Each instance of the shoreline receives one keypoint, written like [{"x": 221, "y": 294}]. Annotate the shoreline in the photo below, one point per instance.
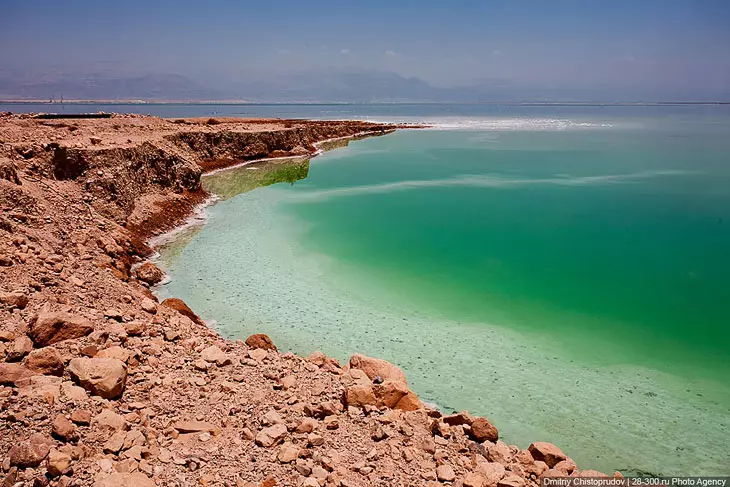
[{"x": 80, "y": 204}]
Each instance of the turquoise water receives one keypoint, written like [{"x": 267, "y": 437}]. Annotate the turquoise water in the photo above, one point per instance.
[{"x": 564, "y": 274}]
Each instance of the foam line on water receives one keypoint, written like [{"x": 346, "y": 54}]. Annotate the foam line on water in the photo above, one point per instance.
[{"x": 476, "y": 181}]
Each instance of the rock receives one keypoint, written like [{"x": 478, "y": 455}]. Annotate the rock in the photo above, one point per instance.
[
  {"x": 103, "y": 377},
  {"x": 360, "y": 395},
  {"x": 15, "y": 299},
  {"x": 117, "y": 352},
  {"x": 30, "y": 453},
  {"x": 445, "y": 473},
  {"x": 19, "y": 348},
  {"x": 511, "y": 481},
  {"x": 546, "y": 452},
  {"x": 115, "y": 442},
  {"x": 45, "y": 361},
  {"x": 310, "y": 482},
  {"x": 483, "y": 430},
  {"x": 196, "y": 427},
  {"x": 150, "y": 273},
  {"x": 149, "y": 306},
  {"x": 81, "y": 416},
  {"x": 261, "y": 341},
  {"x": 182, "y": 308},
  {"x": 457, "y": 419},
  {"x": 12, "y": 373},
  {"x": 134, "y": 328},
  {"x": 491, "y": 471},
  {"x": 315, "y": 440},
  {"x": 307, "y": 425},
  {"x": 474, "y": 480},
  {"x": 135, "y": 479},
  {"x": 73, "y": 393},
  {"x": 377, "y": 368},
  {"x": 287, "y": 453},
  {"x": 258, "y": 354},
  {"x": 58, "y": 463},
  {"x": 566, "y": 466},
  {"x": 63, "y": 429},
  {"x": 109, "y": 419},
  {"x": 215, "y": 354},
  {"x": 48, "y": 328},
  {"x": 270, "y": 436}
]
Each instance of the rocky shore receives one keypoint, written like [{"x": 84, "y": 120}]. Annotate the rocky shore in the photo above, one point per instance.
[{"x": 102, "y": 385}]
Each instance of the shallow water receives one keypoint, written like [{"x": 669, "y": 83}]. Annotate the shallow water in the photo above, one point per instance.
[{"x": 566, "y": 276}]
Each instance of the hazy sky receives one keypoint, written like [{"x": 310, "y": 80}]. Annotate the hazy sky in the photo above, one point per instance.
[{"x": 665, "y": 45}]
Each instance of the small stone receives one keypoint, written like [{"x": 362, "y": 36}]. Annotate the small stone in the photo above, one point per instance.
[
  {"x": 150, "y": 273},
  {"x": 270, "y": 436},
  {"x": 287, "y": 453},
  {"x": 81, "y": 416},
  {"x": 315, "y": 440},
  {"x": 445, "y": 473},
  {"x": 63, "y": 429},
  {"x": 149, "y": 306},
  {"x": 58, "y": 463},
  {"x": 257, "y": 354},
  {"x": 260, "y": 341},
  {"x": 483, "y": 430},
  {"x": 46, "y": 361},
  {"x": 216, "y": 355},
  {"x": 546, "y": 452},
  {"x": 19, "y": 348}
]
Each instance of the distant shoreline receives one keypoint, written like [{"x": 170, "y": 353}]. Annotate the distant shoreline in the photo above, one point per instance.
[{"x": 241, "y": 102}]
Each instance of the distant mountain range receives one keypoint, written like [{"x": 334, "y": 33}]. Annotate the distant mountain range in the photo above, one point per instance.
[{"x": 350, "y": 85}]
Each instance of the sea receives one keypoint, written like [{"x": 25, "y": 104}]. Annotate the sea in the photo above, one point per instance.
[{"x": 563, "y": 270}]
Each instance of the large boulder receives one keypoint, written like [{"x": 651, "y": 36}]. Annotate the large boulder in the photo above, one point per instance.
[
  {"x": 377, "y": 369},
  {"x": 45, "y": 361},
  {"x": 259, "y": 340},
  {"x": 182, "y": 308},
  {"x": 49, "y": 327},
  {"x": 150, "y": 273},
  {"x": 103, "y": 377},
  {"x": 547, "y": 452}
]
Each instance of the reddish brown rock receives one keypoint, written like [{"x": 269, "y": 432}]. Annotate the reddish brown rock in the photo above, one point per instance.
[
  {"x": 30, "y": 453},
  {"x": 546, "y": 452},
  {"x": 81, "y": 416},
  {"x": 19, "y": 348},
  {"x": 261, "y": 341},
  {"x": 45, "y": 361},
  {"x": 377, "y": 369},
  {"x": 360, "y": 395},
  {"x": 11, "y": 373},
  {"x": 63, "y": 429},
  {"x": 58, "y": 463},
  {"x": 196, "y": 427},
  {"x": 15, "y": 299},
  {"x": 103, "y": 377},
  {"x": 483, "y": 430},
  {"x": 182, "y": 308},
  {"x": 51, "y": 327},
  {"x": 457, "y": 419},
  {"x": 150, "y": 273}
]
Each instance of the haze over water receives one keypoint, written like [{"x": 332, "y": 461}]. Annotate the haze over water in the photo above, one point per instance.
[{"x": 560, "y": 270}]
